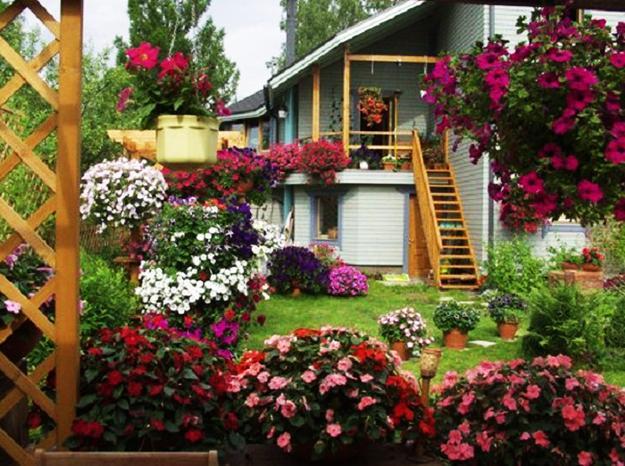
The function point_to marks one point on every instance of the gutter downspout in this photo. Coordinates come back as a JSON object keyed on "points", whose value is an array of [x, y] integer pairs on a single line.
{"points": [[491, 176]]}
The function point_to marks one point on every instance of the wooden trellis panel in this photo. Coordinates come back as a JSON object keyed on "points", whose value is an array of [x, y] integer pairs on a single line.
{"points": [[63, 184]]}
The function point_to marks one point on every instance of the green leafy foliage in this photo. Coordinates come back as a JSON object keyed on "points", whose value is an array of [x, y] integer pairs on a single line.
{"points": [[610, 238], [563, 320], [616, 327], [450, 315], [511, 267]]}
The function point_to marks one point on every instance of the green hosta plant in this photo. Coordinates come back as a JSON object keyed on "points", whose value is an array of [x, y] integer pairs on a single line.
{"points": [[450, 315]]}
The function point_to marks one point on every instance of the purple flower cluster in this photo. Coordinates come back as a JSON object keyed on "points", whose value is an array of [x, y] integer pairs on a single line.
{"points": [[243, 234], [347, 281], [297, 267]]}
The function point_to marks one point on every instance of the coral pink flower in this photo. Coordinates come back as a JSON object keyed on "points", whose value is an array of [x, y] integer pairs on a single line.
{"points": [[309, 376], [531, 183], [145, 56], [365, 402], [288, 409], [333, 430], [571, 384], [532, 392], [541, 439], [584, 458], [484, 441], [284, 441], [589, 191], [278, 383], [574, 417], [509, 402]]}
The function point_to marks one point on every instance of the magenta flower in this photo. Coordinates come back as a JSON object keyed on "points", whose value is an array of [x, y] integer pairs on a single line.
{"points": [[545, 204], [618, 60], [532, 183], [618, 129], [487, 61], [613, 103], [615, 151], [12, 307], [497, 77], [559, 56], [589, 191], [124, 97], [550, 150], [560, 162], [565, 123], [548, 81], [579, 100], [580, 78], [145, 56]]}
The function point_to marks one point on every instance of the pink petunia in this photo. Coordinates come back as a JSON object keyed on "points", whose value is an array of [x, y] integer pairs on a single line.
{"points": [[580, 78], [531, 183], [487, 61], [618, 60], [579, 100], [334, 430], [615, 152], [565, 123], [548, 81], [589, 191], [550, 150], [559, 56], [12, 306]]}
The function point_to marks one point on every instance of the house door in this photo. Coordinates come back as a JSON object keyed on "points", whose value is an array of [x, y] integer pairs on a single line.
{"points": [[418, 259]]}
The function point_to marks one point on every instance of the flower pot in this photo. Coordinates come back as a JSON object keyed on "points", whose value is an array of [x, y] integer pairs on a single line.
{"points": [[186, 141], [569, 266], [507, 331], [401, 349], [296, 292], [389, 166], [406, 165], [591, 268], [455, 339]]}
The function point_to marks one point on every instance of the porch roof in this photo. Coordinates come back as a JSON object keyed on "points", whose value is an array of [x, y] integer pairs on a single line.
{"points": [[396, 16]]}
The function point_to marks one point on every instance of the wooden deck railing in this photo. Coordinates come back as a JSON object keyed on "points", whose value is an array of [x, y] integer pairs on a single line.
{"points": [[426, 208]]}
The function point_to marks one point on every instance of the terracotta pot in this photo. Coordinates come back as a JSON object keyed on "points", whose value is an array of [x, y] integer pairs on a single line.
{"points": [[406, 165], [401, 349], [455, 339], [591, 268], [507, 331], [569, 266], [296, 293], [389, 166]]}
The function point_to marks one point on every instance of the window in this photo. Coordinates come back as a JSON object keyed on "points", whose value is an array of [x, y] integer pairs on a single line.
{"points": [[252, 136], [327, 221]]}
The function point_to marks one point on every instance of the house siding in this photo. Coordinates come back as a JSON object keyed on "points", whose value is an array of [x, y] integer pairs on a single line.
{"points": [[459, 28], [612, 17]]}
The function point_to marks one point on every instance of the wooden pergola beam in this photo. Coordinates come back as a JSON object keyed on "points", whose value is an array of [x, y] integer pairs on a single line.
{"points": [[392, 58], [316, 102], [611, 5]]}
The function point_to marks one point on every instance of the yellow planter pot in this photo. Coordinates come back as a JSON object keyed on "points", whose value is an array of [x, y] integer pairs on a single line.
{"points": [[186, 140]]}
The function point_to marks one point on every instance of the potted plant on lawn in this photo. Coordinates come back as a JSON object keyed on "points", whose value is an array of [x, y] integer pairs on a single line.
{"points": [[592, 260], [406, 332], [322, 394], [123, 193], [178, 98], [295, 269], [456, 320], [389, 162], [507, 310]]}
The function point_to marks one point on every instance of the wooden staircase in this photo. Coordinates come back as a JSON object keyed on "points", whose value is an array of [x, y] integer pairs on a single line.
{"points": [[453, 261]]}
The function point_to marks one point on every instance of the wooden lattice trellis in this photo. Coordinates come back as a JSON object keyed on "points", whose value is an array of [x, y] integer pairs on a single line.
{"points": [[63, 202]]}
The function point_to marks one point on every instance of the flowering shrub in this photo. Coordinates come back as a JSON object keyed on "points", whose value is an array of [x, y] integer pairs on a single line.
{"points": [[507, 309], [537, 412], [347, 281], [202, 261], [168, 86], [371, 105], [286, 157], [451, 314], [150, 388], [28, 273], [405, 325], [234, 169], [322, 389], [592, 256], [328, 255], [296, 267], [563, 86], [322, 159], [121, 192]]}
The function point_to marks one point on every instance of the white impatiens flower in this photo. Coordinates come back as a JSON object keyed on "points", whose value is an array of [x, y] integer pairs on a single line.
{"points": [[121, 192]]}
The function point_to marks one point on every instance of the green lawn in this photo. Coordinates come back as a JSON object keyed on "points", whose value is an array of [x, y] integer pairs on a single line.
{"points": [[285, 314]]}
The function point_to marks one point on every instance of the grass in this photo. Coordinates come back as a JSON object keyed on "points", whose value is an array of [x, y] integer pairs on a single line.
{"points": [[285, 314]]}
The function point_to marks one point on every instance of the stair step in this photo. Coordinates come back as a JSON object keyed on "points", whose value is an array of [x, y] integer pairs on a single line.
{"points": [[452, 228], [456, 256], [459, 277], [438, 170], [457, 266], [446, 203], [458, 287], [454, 238]]}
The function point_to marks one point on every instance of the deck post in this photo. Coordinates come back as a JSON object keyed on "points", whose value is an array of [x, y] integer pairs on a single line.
{"points": [[316, 102], [346, 99], [67, 219]]}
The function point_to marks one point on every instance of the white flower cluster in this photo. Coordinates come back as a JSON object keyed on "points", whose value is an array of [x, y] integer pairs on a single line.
{"points": [[180, 292], [272, 239], [121, 192]]}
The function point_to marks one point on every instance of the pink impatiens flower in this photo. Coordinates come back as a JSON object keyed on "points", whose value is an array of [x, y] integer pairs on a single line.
{"points": [[288, 409], [584, 458], [532, 392], [333, 430], [284, 441], [278, 383], [541, 439], [589, 191], [365, 402], [574, 417], [309, 376], [12, 306], [344, 364], [531, 183]]}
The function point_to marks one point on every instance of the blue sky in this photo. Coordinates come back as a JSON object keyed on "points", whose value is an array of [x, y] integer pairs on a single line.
{"points": [[252, 27]]}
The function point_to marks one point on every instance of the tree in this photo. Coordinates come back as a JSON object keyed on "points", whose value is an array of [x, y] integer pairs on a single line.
{"points": [[182, 25], [319, 20]]}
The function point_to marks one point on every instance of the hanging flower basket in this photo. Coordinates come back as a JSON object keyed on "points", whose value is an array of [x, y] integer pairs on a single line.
{"points": [[186, 140], [371, 105], [564, 87]]}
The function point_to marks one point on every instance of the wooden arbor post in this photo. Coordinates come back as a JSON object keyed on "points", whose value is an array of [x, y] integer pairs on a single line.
{"points": [[316, 102], [63, 256], [347, 82]]}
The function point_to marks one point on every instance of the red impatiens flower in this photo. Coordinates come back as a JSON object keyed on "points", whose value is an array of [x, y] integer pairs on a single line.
{"points": [[615, 152], [580, 78], [619, 210], [135, 389], [114, 378], [618, 60], [532, 183], [145, 56], [589, 191], [193, 435]]}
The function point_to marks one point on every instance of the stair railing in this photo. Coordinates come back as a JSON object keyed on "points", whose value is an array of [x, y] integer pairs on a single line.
{"points": [[426, 208]]}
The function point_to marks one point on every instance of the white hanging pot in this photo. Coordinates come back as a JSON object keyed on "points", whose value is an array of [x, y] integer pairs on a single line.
{"points": [[364, 165], [186, 140]]}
